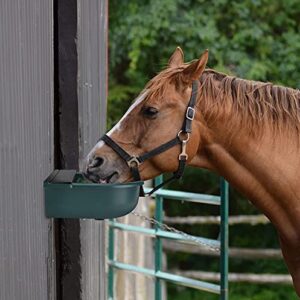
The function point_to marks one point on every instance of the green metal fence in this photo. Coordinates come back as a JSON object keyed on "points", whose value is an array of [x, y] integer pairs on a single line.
{"points": [[159, 233]]}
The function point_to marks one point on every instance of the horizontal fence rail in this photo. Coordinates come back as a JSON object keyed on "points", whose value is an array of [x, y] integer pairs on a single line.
{"points": [[187, 196], [216, 220], [199, 241], [178, 279], [238, 277], [244, 253]]}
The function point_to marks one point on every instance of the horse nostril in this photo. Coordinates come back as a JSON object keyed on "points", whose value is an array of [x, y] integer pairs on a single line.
{"points": [[96, 162]]}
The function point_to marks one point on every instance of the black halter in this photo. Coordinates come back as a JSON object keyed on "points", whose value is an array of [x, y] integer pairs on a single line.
{"points": [[182, 138]]}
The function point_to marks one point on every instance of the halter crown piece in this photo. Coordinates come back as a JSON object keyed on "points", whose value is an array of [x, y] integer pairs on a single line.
{"points": [[182, 138]]}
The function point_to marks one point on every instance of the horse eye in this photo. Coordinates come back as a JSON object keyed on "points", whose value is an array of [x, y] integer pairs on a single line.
{"points": [[150, 112]]}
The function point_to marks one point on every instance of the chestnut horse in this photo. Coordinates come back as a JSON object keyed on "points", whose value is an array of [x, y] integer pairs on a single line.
{"points": [[246, 131]]}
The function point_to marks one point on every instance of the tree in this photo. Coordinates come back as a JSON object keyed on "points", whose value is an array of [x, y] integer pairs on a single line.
{"points": [[253, 39]]}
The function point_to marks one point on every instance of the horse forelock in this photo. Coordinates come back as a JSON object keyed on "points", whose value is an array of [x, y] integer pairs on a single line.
{"points": [[157, 87]]}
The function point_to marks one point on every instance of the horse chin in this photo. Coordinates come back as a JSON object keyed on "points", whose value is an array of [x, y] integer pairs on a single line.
{"points": [[111, 178], [102, 179], [124, 179]]}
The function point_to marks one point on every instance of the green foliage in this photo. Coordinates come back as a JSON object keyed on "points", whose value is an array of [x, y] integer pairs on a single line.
{"points": [[240, 291], [255, 39], [120, 98], [243, 291], [252, 39]]}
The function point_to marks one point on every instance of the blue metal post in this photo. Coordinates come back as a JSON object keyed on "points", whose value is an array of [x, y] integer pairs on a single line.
{"points": [[224, 239], [111, 246], [158, 241]]}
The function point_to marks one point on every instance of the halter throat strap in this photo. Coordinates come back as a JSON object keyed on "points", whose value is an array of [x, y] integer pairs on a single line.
{"points": [[182, 138]]}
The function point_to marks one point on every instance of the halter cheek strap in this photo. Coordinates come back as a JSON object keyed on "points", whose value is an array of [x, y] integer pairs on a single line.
{"points": [[182, 138]]}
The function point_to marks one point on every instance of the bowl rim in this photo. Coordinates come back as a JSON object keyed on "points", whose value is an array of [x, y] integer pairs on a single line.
{"points": [[106, 185]]}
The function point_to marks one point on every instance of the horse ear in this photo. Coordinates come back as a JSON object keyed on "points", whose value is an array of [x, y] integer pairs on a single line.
{"points": [[196, 68], [176, 59]]}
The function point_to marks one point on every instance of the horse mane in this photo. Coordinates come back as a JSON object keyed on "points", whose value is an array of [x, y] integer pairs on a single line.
{"points": [[253, 104]]}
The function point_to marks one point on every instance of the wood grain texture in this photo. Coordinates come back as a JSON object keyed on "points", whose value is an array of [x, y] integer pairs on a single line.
{"points": [[26, 146], [92, 94]]}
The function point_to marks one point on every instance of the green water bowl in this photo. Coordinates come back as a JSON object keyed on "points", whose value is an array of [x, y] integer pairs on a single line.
{"points": [[69, 195]]}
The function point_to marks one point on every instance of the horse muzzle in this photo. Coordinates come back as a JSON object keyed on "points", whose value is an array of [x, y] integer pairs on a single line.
{"points": [[100, 169]]}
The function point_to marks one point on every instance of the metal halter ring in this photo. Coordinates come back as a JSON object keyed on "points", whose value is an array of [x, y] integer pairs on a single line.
{"points": [[133, 162], [181, 139]]}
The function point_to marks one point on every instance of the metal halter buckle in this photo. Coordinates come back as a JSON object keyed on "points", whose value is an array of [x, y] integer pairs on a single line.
{"points": [[190, 113], [133, 162]]}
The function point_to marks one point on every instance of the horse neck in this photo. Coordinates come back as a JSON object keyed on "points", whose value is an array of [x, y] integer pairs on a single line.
{"points": [[232, 119], [263, 167]]}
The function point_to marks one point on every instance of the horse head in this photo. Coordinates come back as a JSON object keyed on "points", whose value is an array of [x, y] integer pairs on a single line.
{"points": [[154, 118]]}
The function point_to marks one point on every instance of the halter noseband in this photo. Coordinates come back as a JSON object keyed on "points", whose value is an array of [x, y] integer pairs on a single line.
{"points": [[182, 138]]}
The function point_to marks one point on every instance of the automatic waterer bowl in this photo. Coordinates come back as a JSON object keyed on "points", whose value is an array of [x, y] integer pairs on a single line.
{"points": [[68, 195]]}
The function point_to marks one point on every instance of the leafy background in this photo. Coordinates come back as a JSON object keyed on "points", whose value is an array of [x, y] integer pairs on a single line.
{"points": [[253, 39]]}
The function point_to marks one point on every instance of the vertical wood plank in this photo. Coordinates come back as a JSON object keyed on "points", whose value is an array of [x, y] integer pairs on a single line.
{"points": [[92, 94], [26, 146]]}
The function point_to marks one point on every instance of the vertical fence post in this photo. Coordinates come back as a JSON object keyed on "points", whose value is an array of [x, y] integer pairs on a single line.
{"points": [[224, 239], [111, 246], [158, 241]]}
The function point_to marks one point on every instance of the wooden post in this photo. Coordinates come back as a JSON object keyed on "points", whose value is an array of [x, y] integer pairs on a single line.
{"points": [[92, 95]]}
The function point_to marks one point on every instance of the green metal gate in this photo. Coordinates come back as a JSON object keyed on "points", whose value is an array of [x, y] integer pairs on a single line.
{"points": [[158, 233]]}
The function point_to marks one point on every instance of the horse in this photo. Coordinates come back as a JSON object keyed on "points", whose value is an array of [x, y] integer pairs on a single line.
{"points": [[246, 131]]}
